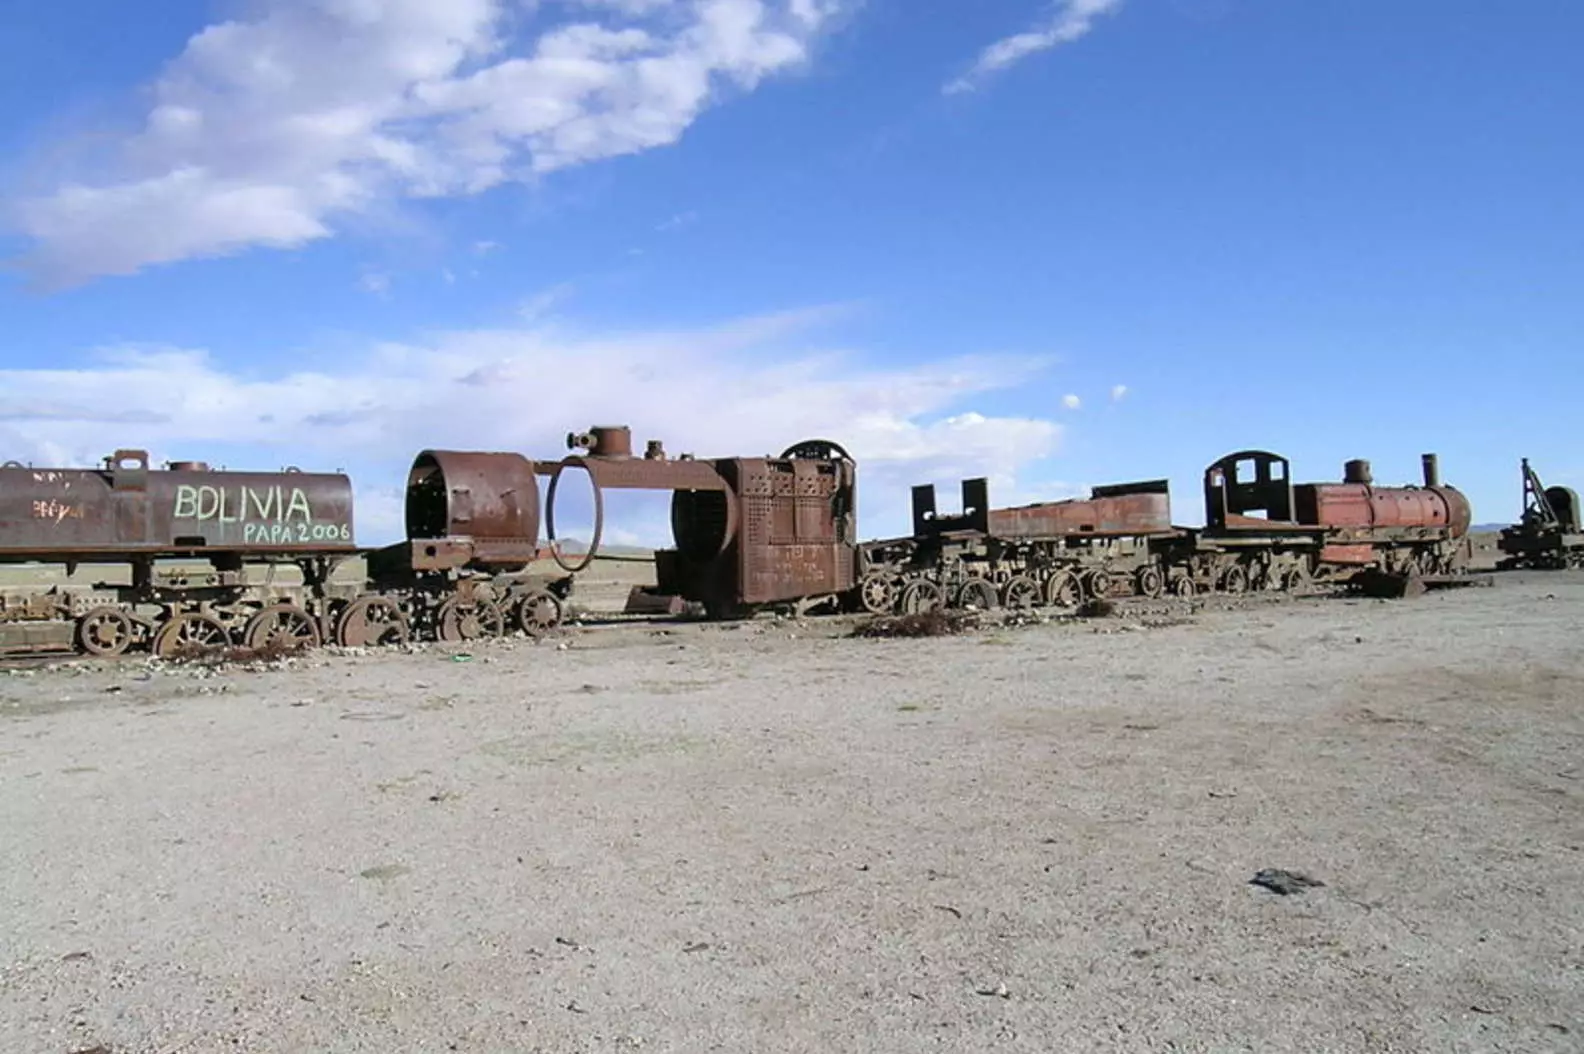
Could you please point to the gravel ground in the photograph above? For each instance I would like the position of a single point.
(769, 838)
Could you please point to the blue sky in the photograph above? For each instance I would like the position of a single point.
(1055, 243)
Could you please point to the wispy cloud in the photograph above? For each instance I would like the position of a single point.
(1071, 402)
(542, 302)
(677, 222)
(747, 386)
(1068, 21)
(1118, 392)
(270, 130)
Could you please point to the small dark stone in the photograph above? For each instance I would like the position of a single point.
(1284, 882)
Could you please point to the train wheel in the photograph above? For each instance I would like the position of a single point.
(281, 625)
(1295, 579)
(190, 632)
(922, 596)
(371, 621)
(878, 593)
(460, 619)
(1150, 581)
(978, 592)
(1097, 583)
(1235, 580)
(1181, 584)
(104, 631)
(538, 613)
(1021, 591)
(1063, 590)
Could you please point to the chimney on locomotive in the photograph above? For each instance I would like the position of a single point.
(1356, 471)
(608, 441)
(1432, 470)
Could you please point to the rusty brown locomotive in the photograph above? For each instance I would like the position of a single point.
(1262, 532)
(215, 558)
(212, 558)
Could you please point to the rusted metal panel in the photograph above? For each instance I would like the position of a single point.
(1146, 509)
(473, 494)
(127, 508)
(1348, 554)
(790, 546)
(1245, 482)
(1359, 505)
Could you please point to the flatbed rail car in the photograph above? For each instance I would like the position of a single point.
(1549, 534)
(1032, 555)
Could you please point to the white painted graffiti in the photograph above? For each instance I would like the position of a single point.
(268, 515)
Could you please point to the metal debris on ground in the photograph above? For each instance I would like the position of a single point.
(933, 623)
(1284, 882)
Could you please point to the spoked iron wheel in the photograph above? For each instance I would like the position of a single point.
(978, 593)
(922, 596)
(371, 621)
(190, 632)
(1182, 584)
(281, 626)
(538, 612)
(877, 592)
(1063, 590)
(1020, 592)
(1235, 580)
(104, 631)
(1098, 583)
(1151, 583)
(1295, 579)
(460, 619)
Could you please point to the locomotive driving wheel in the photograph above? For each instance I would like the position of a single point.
(1151, 583)
(1099, 582)
(190, 632)
(1295, 579)
(1181, 584)
(1063, 590)
(878, 593)
(1234, 580)
(538, 612)
(1021, 591)
(460, 619)
(978, 592)
(281, 625)
(104, 631)
(921, 596)
(371, 620)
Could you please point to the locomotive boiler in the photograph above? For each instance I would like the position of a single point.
(126, 510)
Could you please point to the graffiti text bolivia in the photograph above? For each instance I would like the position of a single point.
(267, 514)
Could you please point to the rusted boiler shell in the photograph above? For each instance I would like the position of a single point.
(482, 495)
(1130, 509)
(1358, 505)
(128, 508)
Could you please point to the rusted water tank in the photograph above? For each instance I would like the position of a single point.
(472, 494)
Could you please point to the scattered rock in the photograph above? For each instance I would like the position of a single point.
(1284, 882)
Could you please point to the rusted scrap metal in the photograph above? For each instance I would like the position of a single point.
(126, 509)
(1549, 533)
(642, 600)
(747, 532)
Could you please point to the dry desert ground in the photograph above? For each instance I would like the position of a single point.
(773, 837)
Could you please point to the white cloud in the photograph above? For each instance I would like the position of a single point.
(1071, 402)
(741, 388)
(1118, 391)
(540, 304)
(1067, 22)
(266, 131)
(677, 222)
(374, 282)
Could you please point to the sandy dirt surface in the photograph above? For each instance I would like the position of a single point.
(774, 838)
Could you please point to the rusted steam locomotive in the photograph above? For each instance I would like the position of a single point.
(1262, 531)
(208, 556)
(203, 548)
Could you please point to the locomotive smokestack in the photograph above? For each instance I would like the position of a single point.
(1356, 471)
(1432, 470)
